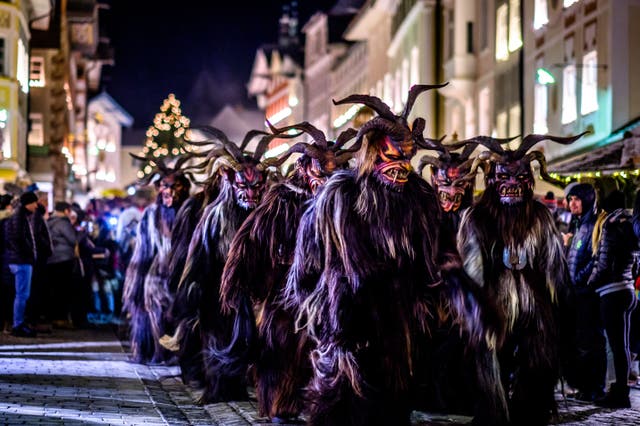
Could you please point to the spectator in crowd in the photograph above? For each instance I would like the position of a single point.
(61, 263)
(21, 255)
(614, 243)
(587, 373)
(38, 306)
(6, 278)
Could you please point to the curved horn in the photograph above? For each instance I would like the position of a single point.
(249, 136)
(494, 144)
(416, 90)
(530, 140)
(539, 157)
(343, 138)
(215, 132)
(432, 144)
(139, 157)
(316, 134)
(372, 102)
(428, 160)
(300, 148)
(226, 161)
(478, 162)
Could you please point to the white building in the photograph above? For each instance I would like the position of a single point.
(106, 169)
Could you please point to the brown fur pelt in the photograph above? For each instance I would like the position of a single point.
(145, 295)
(363, 283)
(260, 256)
(530, 299)
(201, 328)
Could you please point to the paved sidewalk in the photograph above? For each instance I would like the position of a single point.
(83, 377)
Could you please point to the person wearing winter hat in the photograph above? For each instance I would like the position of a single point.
(587, 373)
(20, 255)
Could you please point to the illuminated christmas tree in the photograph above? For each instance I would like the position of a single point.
(165, 138)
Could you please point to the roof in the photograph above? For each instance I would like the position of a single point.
(112, 107)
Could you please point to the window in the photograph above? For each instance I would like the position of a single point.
(451, 37)
(405, 77)
(484, 112)
(36, 133)
(514, 121)
(569, 112)
(540, 15)
(415, 67)
(2, 56)
(484, 24)
(502, 50)
(397, 92)
(388, 85)
(589, 101)
(501, 124)
(36, 72)
(540, 109)
(515, 33)
(22, 67)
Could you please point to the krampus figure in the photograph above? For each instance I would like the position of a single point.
(146, 294)
(186, 222)
(259, 258)
(513, 251)
(367, 278)
(203, 333)
(453, 383)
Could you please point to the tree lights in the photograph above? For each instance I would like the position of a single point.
(165, 138)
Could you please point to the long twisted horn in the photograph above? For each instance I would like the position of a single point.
(215, 132)
(539, 157)
(225, 161)
(316, 134)
(530, 140)
(372, 102)
(416, 90)
(343, 138)
(249, 136)
(429, 160)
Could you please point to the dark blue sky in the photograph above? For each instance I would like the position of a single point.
(162, 46)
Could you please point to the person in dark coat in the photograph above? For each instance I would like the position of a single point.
(38, 306)
(612, 280)
(20, 255)
(61, 263)
(587, 373)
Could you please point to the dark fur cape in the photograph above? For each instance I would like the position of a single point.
(531, 300)
(260, 256)
(367, 283)
(202, 331)
(146, 296)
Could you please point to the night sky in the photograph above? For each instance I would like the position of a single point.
(162, 47)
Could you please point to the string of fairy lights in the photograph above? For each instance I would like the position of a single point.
(165, 137)
(624, 174)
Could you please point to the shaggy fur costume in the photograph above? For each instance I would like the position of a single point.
(145, 293)
(197, 307)
(528, 299)
(368, 287)
(260, 257)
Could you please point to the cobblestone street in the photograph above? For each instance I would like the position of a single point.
(84, 377)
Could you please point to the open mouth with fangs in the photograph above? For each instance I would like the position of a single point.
(449, 201)
(510, 194)
(395, 173)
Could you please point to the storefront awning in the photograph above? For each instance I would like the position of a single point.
(618, 152)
